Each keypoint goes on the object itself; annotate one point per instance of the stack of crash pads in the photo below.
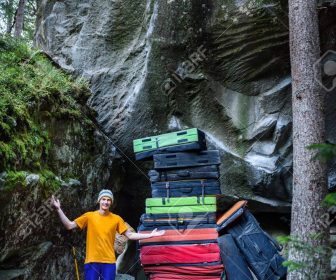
(184, 183)
(196, 245)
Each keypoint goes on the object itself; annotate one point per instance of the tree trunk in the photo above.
(309, 178)
(19, 19)
(9, 16)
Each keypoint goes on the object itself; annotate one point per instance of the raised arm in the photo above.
(64, 219)
(137, 236)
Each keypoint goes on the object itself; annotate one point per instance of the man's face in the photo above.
(105, 203)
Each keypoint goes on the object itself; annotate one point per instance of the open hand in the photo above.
(157, 232)
(55, 202)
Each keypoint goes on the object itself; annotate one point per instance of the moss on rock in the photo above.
(15, 179)
(32, 89)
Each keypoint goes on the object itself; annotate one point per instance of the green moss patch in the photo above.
(47, 180)
(32, 89)
(15, 179)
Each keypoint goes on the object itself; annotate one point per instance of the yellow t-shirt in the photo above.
(101, 231)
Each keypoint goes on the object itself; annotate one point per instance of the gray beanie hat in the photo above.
(107, 193)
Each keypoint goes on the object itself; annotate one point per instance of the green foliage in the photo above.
(330, 199)
(15, 179)
(32, 90)
(7, 12)
(291, 265)
(287, 240)
(325, 152)
(283, 239)
(312, 252)
(7, 18)
(47, 180)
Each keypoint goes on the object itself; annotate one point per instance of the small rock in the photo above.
(331, 181)
(74, 183)
(174, 123)
(32, 180)
(333, 261)
(3, 176)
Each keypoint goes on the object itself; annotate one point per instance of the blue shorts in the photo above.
(100, 271)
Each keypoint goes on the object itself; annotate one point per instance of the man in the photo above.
(102, 226)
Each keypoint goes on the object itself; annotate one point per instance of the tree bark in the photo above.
(309, 177)
(9, 15)
(19, 19)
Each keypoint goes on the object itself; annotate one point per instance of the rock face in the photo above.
(222, 66)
